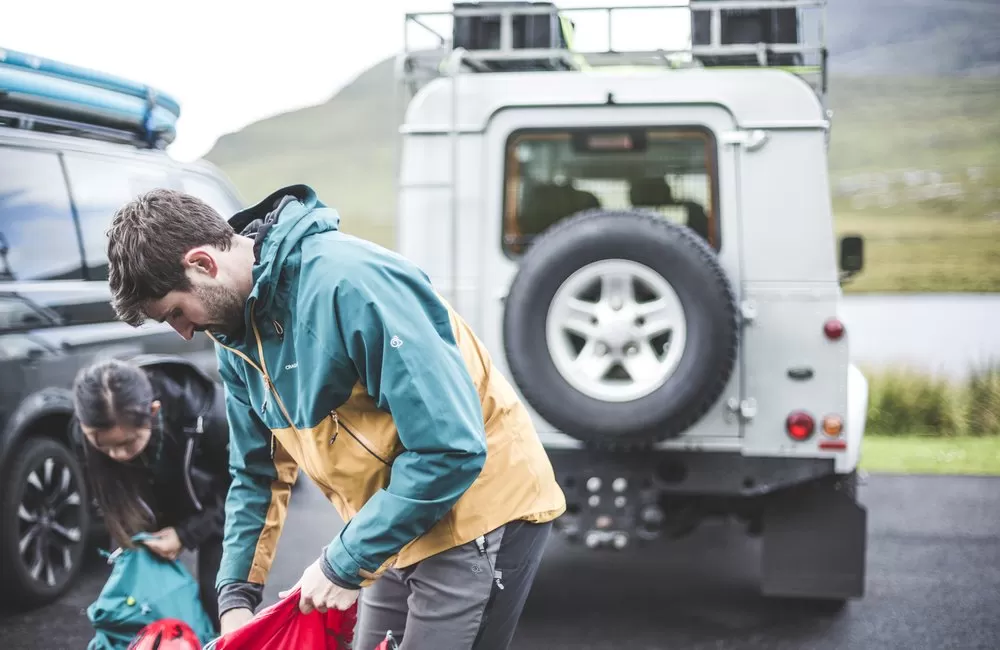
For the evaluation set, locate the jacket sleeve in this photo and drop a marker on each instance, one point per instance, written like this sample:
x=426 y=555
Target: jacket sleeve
x=399 y=336
x=257 y=501
x=209 y=523
x=195 y=529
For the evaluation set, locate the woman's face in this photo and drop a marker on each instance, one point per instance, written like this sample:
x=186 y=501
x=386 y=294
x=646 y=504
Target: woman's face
x=120 y=443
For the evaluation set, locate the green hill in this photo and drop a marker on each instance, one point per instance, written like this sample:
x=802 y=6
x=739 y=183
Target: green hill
x=915 y=95
x=343 y=148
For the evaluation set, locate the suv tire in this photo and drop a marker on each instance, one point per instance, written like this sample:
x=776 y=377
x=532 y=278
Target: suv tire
x=684 y=373
x=38 y=499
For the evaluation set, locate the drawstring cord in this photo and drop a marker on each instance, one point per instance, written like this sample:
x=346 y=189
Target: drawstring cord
x=481 y=545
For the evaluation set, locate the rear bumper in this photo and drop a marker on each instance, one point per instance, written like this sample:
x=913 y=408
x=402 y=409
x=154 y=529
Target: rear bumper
x=684 y=473
x=814 y=530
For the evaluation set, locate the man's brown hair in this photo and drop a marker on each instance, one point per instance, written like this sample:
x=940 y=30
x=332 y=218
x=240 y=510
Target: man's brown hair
x=147 y=241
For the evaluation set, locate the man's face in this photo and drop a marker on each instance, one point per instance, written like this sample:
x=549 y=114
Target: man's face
x=208 y=305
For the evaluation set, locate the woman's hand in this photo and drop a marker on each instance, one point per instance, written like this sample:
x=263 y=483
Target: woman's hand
x=165 y=543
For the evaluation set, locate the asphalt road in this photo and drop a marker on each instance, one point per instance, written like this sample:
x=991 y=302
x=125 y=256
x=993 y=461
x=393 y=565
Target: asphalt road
x=933 y=582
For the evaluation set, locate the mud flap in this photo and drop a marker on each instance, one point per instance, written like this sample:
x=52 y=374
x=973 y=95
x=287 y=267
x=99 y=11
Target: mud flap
x=815 y=543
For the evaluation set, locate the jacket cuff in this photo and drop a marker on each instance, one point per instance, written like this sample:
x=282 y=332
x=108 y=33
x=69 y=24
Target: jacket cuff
x=339 y=567
x=240 y=595
x=186 y=532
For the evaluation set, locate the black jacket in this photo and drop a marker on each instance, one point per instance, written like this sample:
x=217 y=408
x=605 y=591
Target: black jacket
x=186 y=487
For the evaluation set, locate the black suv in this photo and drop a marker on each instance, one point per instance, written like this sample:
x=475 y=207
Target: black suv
x=58 y=191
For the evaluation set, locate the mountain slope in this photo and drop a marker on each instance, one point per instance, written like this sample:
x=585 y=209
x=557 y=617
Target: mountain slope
x=342 y=148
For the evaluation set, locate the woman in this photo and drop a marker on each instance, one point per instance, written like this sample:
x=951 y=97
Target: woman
x=153 y=437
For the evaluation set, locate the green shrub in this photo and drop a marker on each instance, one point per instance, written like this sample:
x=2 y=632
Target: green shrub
x=982 y=408
x=906 y=402
x=903 y=402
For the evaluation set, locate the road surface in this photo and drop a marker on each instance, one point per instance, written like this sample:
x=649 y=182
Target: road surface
x=933 y=582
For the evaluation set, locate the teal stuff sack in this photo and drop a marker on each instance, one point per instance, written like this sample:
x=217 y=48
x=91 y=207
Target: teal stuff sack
x=143 y=588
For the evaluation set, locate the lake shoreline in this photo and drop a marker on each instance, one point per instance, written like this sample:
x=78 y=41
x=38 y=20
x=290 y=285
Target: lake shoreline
x=945 y=334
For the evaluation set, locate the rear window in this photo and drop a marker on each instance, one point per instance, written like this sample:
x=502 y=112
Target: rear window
x=38 y=238
x=211 y=192
x=100 y=186
x=550 y=175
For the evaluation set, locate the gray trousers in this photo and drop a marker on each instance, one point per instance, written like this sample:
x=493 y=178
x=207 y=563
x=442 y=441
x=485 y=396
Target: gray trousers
x=466 y=598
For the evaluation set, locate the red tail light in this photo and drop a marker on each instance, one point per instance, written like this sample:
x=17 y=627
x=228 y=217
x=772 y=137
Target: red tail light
x=800 y=425
x=833 y=329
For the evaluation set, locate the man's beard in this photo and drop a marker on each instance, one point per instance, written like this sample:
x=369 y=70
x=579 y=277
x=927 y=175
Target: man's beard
x=224 y=307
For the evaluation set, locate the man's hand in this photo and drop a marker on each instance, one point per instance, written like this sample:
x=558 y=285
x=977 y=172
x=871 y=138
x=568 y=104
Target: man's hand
x=319 y=593
x=234 y=619
x=165 y=543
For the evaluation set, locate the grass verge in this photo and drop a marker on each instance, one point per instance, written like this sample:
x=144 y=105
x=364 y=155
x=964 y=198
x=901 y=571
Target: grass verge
x=921 y=424
x=903 y=402
x=921 y=454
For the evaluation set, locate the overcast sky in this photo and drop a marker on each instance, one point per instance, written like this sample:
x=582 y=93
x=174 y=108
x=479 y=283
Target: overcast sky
x=229 y=64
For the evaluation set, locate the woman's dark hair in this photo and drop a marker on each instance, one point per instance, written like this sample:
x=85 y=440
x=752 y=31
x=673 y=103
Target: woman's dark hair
x=106 y=394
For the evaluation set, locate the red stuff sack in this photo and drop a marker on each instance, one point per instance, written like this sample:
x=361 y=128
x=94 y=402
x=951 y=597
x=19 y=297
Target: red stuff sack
x=283 y=627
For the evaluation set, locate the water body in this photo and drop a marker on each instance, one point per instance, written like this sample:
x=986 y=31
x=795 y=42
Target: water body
x=946 y=334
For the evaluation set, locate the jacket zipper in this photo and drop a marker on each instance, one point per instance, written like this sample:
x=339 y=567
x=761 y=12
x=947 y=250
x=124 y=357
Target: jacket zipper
x=272 y=390
x=364 y=442
x=267 y=381
x=188 y=459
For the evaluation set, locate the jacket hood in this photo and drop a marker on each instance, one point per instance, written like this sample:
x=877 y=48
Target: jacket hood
x=277 y=224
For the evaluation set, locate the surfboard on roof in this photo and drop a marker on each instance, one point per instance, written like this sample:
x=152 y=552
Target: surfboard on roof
x=37 y=87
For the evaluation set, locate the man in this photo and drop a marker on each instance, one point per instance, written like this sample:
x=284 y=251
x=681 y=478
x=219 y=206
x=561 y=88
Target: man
x=340 y=359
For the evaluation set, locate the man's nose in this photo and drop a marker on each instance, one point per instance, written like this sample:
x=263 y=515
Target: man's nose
x=186 y=330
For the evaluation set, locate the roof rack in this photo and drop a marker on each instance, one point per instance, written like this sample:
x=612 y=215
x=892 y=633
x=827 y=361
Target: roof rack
x=485 y=37
x=46 y=95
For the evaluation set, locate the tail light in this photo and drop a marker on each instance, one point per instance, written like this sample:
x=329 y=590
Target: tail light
x=833 y=425
x=833 y=329
x=800 y=425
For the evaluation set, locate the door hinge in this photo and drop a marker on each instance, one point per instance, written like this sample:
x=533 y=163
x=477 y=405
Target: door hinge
x=745 y=410
x=748 y=311
x=751 y=140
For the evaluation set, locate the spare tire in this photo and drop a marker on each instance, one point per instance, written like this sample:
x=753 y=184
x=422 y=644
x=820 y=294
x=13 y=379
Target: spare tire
x=620 y=327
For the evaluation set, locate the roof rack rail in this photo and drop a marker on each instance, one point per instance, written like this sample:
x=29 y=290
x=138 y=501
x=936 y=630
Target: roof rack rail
x=485 y=37
x=46 y=95
x=58 y=126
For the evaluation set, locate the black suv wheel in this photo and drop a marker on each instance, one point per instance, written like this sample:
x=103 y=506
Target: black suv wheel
x=44 y=521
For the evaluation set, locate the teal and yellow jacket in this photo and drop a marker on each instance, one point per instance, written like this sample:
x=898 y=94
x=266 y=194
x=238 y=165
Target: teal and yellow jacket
x=354 y=370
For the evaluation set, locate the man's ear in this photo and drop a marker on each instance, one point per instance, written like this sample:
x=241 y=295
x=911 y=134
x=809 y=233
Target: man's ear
x=202 y=260
x=155 y=408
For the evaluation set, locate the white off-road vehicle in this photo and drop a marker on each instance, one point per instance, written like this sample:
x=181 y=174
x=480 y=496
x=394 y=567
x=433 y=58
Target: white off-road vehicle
x=644 y=241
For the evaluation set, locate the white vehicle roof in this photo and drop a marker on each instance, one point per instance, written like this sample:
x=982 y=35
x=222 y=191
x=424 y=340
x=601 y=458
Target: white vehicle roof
x=756 y=97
